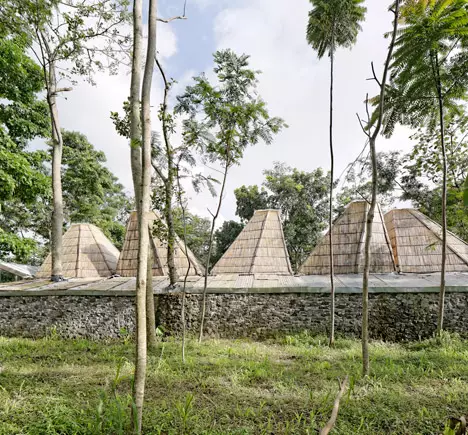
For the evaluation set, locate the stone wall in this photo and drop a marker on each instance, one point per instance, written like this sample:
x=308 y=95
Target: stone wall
x=393 y=316
x=95 y=317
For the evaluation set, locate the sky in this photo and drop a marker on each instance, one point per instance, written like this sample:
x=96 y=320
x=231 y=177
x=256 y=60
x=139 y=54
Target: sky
x=294 y=83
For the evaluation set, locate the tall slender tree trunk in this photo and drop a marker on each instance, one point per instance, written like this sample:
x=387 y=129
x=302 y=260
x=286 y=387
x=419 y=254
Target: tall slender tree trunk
x=150 y=314
x=143 y=221
x=184 y=288
x=330 y=216
x=371 y=212
x=210 y=246
x=367 y=257
x=440 y=318
x=57 y=149
x=135 y=105
x=173 y=276
x=168 y=183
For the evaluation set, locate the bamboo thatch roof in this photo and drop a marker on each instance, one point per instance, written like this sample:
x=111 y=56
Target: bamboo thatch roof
x=348 y=238
x=259 y=248
x=417 y=243
x=128 y=261
x=87 y=253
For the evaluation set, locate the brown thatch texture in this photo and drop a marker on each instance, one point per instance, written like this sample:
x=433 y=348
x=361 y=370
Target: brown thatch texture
x=417 y=243
x=128 y=261
x=87 y=253
x=259 y=248
x=348 y=238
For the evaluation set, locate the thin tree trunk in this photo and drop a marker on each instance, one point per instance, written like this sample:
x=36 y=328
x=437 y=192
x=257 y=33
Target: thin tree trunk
x=57 y=149
x=150 y=314
x=173 y=276
x=184 y=288
x=210 y=246
x=168 y=183
x=371 y=212
x=143 y=222
x=440 y=319
x=135 y=106
x=330 y=216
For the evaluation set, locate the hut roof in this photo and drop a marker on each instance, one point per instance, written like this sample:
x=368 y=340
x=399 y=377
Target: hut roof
x=87 y=253
x=128 y=261
x=21 y=270
x=348 y=238
x=417 y=243
x=259 y=248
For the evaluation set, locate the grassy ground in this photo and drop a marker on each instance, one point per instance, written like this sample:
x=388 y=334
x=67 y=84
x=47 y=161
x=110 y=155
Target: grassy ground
x=284 y=385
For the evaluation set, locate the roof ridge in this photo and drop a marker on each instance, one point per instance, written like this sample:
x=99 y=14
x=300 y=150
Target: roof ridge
x=258 y=241
x=454 y=251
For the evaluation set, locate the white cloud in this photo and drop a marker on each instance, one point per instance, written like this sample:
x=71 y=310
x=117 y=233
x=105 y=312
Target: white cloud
x=295 y=84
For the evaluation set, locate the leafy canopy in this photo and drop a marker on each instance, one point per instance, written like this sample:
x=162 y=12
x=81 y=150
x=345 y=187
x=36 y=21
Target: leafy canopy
x=430 y=57
x=223 y=118
x=333 y=24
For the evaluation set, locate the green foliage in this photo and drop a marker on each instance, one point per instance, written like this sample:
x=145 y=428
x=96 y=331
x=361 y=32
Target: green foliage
x=333 y=24
x=198 y=232
x=249 y=199
x=283 y=385
x=69 y=33
x=22 y=118
x=358 y=184
x=224 y=119
x=430 y=56
x=99 y=199
x=225 y=235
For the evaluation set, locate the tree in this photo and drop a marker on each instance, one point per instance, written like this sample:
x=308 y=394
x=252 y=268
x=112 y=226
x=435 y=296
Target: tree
x=100 y=200
x=58 y=33
x=225 y=235
x=224 y=119
x=143 y=207
x=333 y=24
x=249 y=199
x=372 y=137
x=358 y=180
x=22 y=117
x=197 y=231
x=429 y=80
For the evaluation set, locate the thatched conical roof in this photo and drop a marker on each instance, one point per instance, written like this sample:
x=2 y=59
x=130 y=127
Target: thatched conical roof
x=128 y=261
x=348 y=238
x=259 y=248
x=87 y=253
x=417 y=243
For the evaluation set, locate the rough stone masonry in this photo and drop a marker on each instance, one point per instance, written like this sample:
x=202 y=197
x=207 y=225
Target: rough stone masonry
x=396 y=316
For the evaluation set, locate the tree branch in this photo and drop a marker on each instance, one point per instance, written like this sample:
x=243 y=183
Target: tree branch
x=329 y=426
x=68 y=89
x=168 y=20
x=375 y=76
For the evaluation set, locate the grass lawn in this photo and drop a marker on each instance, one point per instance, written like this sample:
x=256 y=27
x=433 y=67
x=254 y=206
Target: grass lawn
x=285 y=385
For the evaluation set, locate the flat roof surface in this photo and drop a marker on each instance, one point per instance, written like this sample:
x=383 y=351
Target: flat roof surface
x=256 y=283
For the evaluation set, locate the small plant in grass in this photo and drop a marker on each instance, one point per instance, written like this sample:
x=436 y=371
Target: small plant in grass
x=185 y=412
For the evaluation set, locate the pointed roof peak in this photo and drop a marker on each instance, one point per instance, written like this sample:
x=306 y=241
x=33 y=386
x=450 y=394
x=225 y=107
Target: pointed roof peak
x=87 y=253
x=128 y=260
x=259 y=248
x=348 y=238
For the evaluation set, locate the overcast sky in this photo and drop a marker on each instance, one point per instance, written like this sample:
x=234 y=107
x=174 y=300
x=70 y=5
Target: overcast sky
x=294 y=83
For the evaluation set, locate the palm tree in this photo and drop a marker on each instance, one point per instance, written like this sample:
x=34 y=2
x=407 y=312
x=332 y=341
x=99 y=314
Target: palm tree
x=333 y=24
x=429 y=81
